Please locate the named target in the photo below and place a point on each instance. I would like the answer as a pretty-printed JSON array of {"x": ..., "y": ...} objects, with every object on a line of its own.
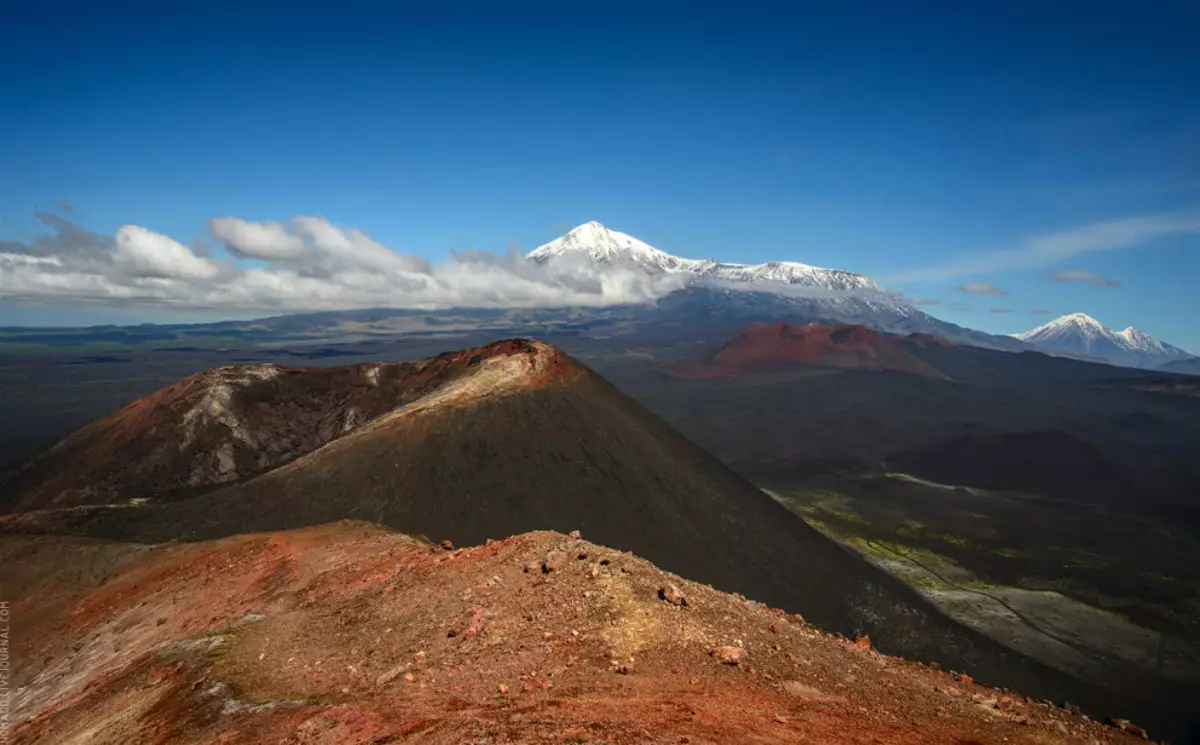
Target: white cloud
[
  {"x": 144, "y": 253},
  {"x": 1043, "y": 250},
  {"x": 256, "y": 240},
  {"x": 980, "y": 288},
  {"x": 353, "y": 248}
]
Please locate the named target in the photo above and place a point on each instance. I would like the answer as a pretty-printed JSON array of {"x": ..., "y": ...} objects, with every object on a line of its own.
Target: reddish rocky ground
[
  {"x": 348, "y": 633},
  {"x": 777, "y": 347}
]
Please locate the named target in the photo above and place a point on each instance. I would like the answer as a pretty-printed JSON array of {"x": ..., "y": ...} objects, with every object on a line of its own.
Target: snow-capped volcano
[
  {"x": 1079, "y": 333},
  {"x": 600, "y": 245},
  {"x": 708, "y": 292}
]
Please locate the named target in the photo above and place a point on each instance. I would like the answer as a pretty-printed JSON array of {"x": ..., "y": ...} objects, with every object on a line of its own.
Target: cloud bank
[
  {"x": 1082, "y": 275},
  {"x": 980, "y": 288},
  {"x": 1043, "y": 250},
  {"x": 306, "y": 263}
]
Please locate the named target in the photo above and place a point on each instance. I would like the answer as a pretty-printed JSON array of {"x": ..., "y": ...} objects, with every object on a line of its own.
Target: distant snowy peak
[
  {"x": 1079, "y": 333},
  {"x": 1073, "y": 325},
  {"x": 600, "y": 245}
]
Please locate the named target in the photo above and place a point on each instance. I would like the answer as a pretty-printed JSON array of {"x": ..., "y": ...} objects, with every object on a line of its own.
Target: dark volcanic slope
[
  {"x": 777, "y": 347},
  {"x": 1051, "y": 462},
  {"x": 527, "y": 438},
  {"x": 217, "y": 427}
]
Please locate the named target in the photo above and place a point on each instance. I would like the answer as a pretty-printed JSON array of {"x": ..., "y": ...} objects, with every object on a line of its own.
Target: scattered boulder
[
  {"x": 672, "y": 594},
  {"x": 863, "y": 642},
  {"x": 729, "y": 655},
  {"x": 533, "y": 566},
  {"x": 804, "y": 690},
  {"x": 1127, "y": 726},
  {"x": 390, "y": 675},
  {"x": 447, "y": 545},
  {"x": 554, "y": 560},
  {"x": 574, "y": 534}
]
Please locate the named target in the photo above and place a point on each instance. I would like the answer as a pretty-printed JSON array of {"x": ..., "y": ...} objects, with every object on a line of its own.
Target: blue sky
[{"x": 900, "y": 140}]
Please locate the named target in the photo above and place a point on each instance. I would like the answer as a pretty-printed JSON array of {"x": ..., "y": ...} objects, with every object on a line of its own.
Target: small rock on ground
[
  {"x": 672, "y": 594},
  {"x": 729, "y": 655},
  {"x": 554, "y": 560}
]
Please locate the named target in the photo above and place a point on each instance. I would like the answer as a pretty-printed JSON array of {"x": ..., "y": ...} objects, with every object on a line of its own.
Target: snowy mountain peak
[
  {"x": 1082, "y": 320},
  {"x": 597, "y": 243},
  {"x": 600, "y": 245},
  {"x": 1079, "y": 333}
]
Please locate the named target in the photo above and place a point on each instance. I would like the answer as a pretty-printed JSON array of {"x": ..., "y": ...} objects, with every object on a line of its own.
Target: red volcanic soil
[
  {"x": 228, "y": 424},
  {"x": 778, "y": 347},
  {"x": 347, "y": 633}
]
